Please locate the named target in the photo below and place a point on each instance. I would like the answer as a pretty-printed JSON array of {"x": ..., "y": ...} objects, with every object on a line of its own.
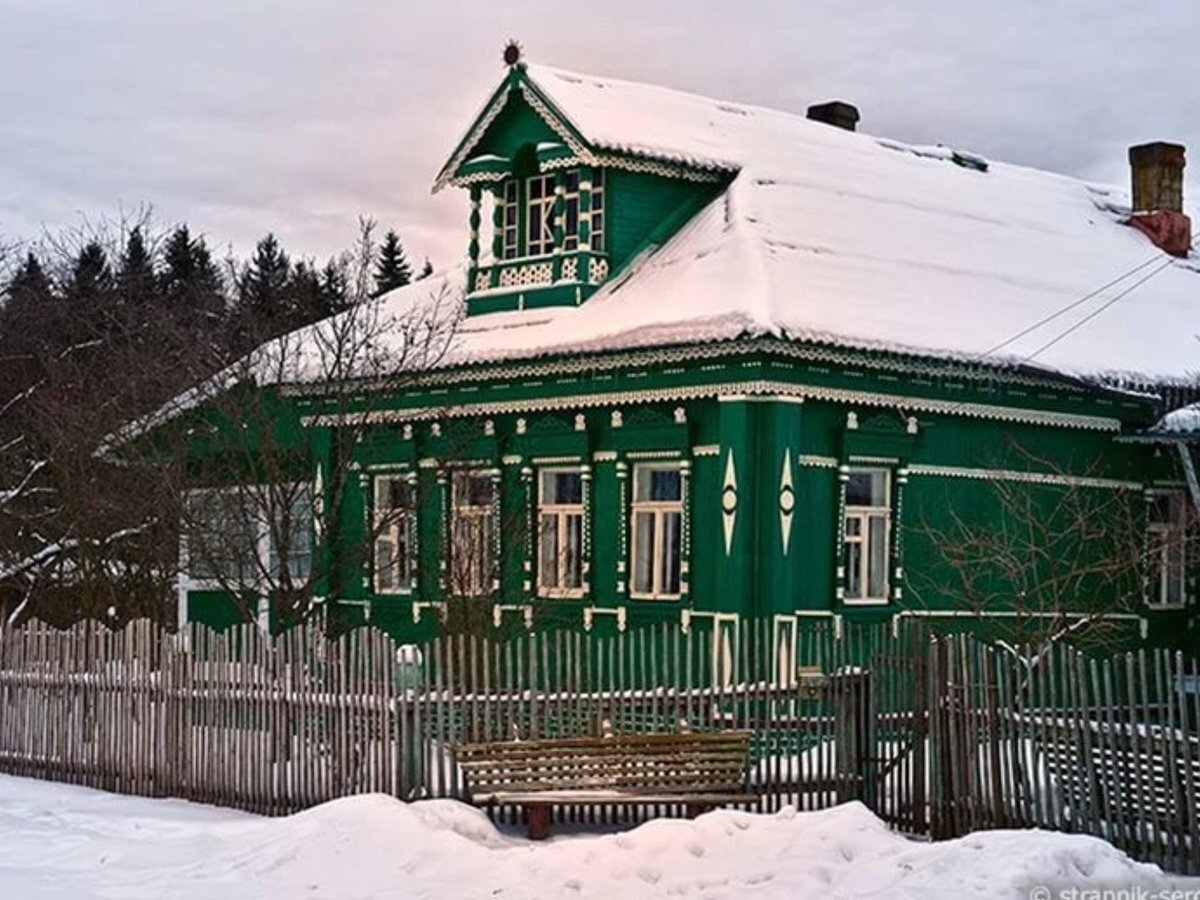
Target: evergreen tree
[
  {"x": 135, "y": 278},
  {"x": 189, "y": 282},
  {"x": 263, "y": 300},
  {"x": 27, "y": 292},
  {"x": 392, "y": 270},
  {"x": 304, "y": 300},
  {"x": 334, "y": 291},
  {"x": 426, "y": 270},
  {"x": 91, "y": 280}
]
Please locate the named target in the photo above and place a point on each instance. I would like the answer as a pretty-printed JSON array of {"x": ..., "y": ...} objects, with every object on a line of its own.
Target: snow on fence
[{"x": 940, "y": 735}]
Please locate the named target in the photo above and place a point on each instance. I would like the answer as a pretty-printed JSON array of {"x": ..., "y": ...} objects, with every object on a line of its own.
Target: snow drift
[{"x": 59, "y": 842}]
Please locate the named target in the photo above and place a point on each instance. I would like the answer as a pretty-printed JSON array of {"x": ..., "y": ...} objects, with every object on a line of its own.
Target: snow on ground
[{"x": 59, "y": 842}]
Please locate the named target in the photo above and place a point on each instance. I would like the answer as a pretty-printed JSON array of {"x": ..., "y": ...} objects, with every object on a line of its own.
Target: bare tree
[
  {"x": 1062, "y": 557},
  {"x": 80, "y": 352},
  {"x": 265, "y": 454}
]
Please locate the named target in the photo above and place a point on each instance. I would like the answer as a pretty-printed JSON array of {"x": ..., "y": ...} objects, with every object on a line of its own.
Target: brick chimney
[
  {"x": 1157, "y": 171},
  {"x": 835, "y": 113}
]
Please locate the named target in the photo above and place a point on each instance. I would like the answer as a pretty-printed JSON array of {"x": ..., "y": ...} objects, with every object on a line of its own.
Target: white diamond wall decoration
[
  {"x": 729, "y": 502},
  {"x": 787, "y": 500}
]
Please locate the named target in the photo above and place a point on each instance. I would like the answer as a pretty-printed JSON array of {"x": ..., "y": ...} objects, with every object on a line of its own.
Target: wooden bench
[{"x": 697, "y": 770}]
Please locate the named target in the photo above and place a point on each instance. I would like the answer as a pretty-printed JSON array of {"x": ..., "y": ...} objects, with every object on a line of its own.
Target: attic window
[{"x": 526, "y": 208}]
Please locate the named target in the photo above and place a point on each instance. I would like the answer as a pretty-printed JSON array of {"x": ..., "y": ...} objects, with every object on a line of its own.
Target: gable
[{"x": 515, "y": 127}]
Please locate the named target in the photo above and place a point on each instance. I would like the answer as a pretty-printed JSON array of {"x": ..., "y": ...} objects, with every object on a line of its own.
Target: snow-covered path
[{"x": 59, "y": 842}]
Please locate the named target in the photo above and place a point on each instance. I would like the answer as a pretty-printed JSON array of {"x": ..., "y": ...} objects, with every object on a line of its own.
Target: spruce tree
[
  {"x": 263, "y": 300},
  {"x": 392, "y": 269},
  {"x": 189, "y": 282},
  {"x": 28, "y": 291},
  {"x": 91, "y": 279},
  {"x": 135, "y": 278},
  {"x": 426, "y": 270},
  {"x": 334, "y": 291},
  {"x": 303, "y": 295}
]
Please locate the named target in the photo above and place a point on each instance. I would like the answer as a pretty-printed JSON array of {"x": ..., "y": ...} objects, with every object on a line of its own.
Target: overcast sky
[{"x": 297, "y": 116}]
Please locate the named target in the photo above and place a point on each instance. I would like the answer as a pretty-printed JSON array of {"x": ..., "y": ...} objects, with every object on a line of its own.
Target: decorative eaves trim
[
  {"x": 695, "y": 392},
  {"x": 1029, "y": 477},
  {"x": 580, "y": 151}
]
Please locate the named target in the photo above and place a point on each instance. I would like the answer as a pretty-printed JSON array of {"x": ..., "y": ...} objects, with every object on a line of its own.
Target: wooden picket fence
[{"x": 940, "y": 735}]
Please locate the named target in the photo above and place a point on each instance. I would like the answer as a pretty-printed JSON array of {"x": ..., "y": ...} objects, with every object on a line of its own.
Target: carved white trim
[
  {"x": 695, "y": 392},
  {"x": 815, "y": 461},
  {"x": 1030, "y": 477},
  {"x": 706, "y": 450}
]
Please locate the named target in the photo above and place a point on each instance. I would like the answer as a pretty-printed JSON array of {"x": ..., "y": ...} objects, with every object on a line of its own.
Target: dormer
[{"x": 554, "y": 213}]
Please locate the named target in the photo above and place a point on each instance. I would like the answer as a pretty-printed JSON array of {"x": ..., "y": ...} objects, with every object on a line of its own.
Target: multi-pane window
[
  {"x": 571, "y": 210},
  {"x": 598, "y": 211},
  {"x": 868, "y": 527},
  {"x": 509, "y": 211},
  {"x": 560, "y": 533},
  {"x": 472, "y": 533},
  {"x": 250, "y": 535},
  {"x": 1168, "y": 557},
  {"x": 539, "y": 215},
  {"x": 657, "y": 526},
  {"x": 395, "y": 517},
  {"x": 289, "y": 537}
]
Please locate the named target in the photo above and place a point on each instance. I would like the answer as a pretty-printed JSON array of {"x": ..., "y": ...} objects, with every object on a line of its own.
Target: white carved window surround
[
  {"x": 867, "y": 535},
  {"x": 509, "y": 213},
  {"x": 1168, "y": 549},
  {"x": 560, "y": 564},
  {"x": 473, "y": 514},
  {"x": 395, "y": 520},
  {"x": 656, "y": 526}
]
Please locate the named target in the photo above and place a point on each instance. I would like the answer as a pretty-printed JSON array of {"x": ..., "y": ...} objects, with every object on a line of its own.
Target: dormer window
[{"x": 527, "y": 209}]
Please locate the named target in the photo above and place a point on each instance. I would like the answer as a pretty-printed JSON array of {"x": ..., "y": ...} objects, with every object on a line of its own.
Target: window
[
  {"x": 395, "y": 518},
  {"x": 571, "y": 210},
  {"x": 598, "y": 211},
  {"x": 657, "y": 531},
  {"x": 472, "y": 533},
  {"x": 243, "y": 536},
  {"x": 539, "y": 215},
  {"x": 560, "y": 533},
  {"x": 289, "y": 538},
  {"x": 540, "y": 218},
  {"x": 508, "y": 221},
  {"x": 868, "y": 526},
  {"x": 1168, "y": 557}
]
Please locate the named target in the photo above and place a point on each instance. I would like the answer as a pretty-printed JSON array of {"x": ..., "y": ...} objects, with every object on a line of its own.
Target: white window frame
[
  {"x": 394, "y": 526},
  {"x": 1160, "y": 535},
  {"x": 863, "y": 515},
  {"x": 599, "y": 206},
  {"x": 510, "y": 231},
  {"x": 481, "y": 577},
  {"x": 571, "y": 196},
  {"x": 659, "y": 509},
  {"x": 261, "y": 551},
  {"x": 543, "y": 243},
  {"x": 562, "y": 513}
]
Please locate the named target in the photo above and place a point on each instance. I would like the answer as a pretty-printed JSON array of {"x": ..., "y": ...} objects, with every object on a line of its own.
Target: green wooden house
[{"x": 716, "y": 361}]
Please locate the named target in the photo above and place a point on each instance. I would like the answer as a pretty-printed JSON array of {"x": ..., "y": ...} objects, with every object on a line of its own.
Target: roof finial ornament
[{"x": 512, "y": 53}]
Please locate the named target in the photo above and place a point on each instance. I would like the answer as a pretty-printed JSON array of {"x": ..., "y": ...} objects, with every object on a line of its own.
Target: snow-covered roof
[
  {"x": 845, "y": 238},
  {"x": 1178, "y": 424},
  {"x": 837, "y": 236}
]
